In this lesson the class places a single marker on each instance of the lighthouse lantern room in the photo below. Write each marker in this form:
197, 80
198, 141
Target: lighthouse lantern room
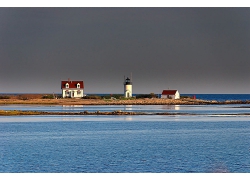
127, 87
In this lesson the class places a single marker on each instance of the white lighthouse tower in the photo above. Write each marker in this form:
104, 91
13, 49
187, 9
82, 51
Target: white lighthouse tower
127, 87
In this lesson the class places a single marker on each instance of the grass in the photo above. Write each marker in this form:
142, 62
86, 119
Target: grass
17, 113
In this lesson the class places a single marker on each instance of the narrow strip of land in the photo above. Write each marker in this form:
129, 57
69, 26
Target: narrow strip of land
145, 101
26, 113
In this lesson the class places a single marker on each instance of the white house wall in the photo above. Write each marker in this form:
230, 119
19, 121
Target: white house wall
177, 95
71, 92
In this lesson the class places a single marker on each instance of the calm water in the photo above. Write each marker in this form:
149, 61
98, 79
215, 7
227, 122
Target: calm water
201, 143
193, 109
221, 97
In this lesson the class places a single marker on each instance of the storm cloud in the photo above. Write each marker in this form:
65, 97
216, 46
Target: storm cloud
194, 50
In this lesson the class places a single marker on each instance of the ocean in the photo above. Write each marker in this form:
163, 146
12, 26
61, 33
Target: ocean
220, 97
213, 138
114, 145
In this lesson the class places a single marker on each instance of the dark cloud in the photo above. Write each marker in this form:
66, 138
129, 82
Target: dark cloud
194, 50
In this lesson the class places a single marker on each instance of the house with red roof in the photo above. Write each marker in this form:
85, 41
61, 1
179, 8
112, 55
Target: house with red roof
72, 89
170, 94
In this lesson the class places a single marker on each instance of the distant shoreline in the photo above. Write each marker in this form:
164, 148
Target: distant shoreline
118, 113
144, 101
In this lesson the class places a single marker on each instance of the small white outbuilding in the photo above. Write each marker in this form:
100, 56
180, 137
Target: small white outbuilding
170, 94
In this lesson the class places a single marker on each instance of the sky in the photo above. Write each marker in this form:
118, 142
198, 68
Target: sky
195, 50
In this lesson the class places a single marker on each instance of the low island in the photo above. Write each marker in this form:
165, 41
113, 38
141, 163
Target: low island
107, 100
39, 99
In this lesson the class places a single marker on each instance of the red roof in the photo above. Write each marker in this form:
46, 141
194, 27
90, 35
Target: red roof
72, 84
169, 92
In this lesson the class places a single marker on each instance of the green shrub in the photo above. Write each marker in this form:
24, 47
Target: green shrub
113, 96
4, 97
92, 97
182, 97
22, 97
130, 98
48, 96
151, 95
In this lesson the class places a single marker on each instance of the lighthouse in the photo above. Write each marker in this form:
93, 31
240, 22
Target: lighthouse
127, 87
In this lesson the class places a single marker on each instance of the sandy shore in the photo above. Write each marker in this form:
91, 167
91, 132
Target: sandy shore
146, 101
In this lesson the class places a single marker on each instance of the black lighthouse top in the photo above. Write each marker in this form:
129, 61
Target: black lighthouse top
127, 82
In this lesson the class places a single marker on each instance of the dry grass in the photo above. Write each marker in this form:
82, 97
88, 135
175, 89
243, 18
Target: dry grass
105, 102
16, 113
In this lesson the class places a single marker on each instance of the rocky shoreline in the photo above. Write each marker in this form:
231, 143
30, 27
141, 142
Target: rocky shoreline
18, 113
26, 113
145, 101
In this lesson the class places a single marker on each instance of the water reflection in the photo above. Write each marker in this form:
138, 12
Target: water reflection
171, 107
72, 118
128, 107
128, 118
191, 109
72, 106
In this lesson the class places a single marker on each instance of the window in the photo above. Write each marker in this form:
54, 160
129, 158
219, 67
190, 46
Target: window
67, 85
78, 92
78, 85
